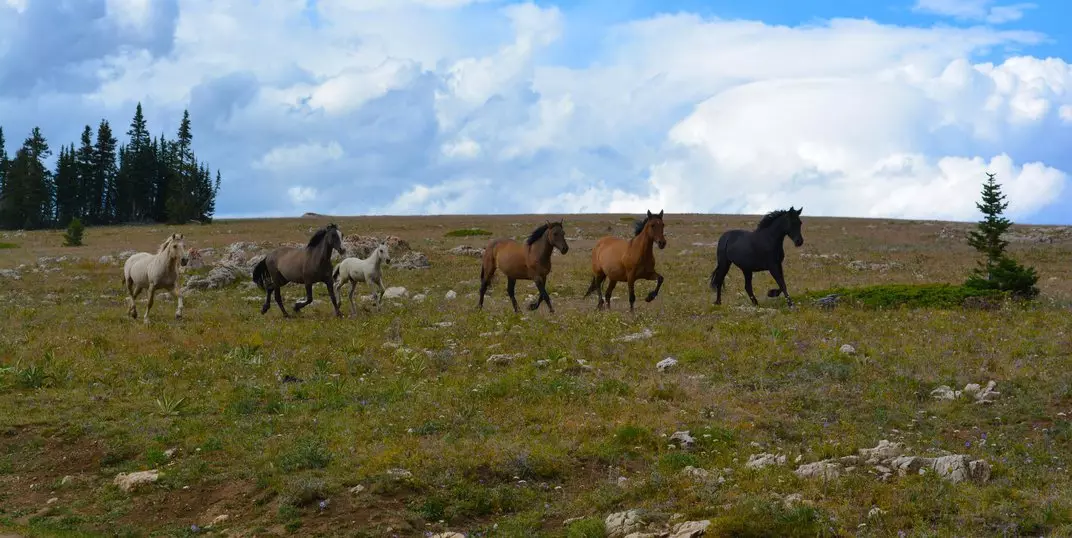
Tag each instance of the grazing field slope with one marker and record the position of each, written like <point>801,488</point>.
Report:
<point>427,416</point>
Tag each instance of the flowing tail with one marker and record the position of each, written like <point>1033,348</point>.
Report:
<point>714,278</point>
<point>592,287</point>
<point>335,274</point>
<point>260,272</point>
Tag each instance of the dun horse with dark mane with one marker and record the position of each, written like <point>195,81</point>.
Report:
<point>759,250</point>
<point>309,265</point>
<point>627,261</point>
<point>531,261</point>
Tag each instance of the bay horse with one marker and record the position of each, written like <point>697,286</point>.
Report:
<point>757,251</point>
<point>627,261</point>
<point>368,270</point>
<point>531,261</point>
<point>309,265</point>
<point>154,272</point>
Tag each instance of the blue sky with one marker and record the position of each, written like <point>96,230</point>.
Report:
<point>871,109</point>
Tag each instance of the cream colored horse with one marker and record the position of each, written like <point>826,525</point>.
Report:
<point>154,272</point>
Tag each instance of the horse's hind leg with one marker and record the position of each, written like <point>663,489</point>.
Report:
<point>541,286</point>
<point>776,272</point>
<point>485,282</point>
<point>748,287</point>
<point>177,294</point>
<point>597,286</point>
<point>298,305</point>
<point>267,300</point>
<point>279,300</point>
<point>510,283</point>
<point>718,278</point>
<point>610,291</point>
<point>377,289</point>
<point>331,294</point>
<point>133,292</point>
<point>658,285</point>
<point>353,308</point>
<point>149,304</point>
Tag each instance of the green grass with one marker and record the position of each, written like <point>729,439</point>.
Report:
<point>910,295</point>
<point>467,232</point>
<point>273,421</point>
<point>4,245</point>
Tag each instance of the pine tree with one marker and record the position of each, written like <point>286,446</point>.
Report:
<point>3,162</point>
<point>29,197</point>
<point>135,170</point>
<point>90,195</point>
<point>67,202</point>
<point>9,195</point>
<point>182,204</point>
<point>997,270</point>
<point>105,171</point>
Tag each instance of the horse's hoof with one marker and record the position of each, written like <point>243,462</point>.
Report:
<point>649,298</point>
<point>533,306</point>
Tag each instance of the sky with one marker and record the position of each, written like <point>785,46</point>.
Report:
<point>888,108</point>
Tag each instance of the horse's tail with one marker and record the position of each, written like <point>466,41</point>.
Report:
<point>714,279</point>
<point>592,287</point>
<point>335,273</point>
<point>260,272</point>
<point>487,262</point>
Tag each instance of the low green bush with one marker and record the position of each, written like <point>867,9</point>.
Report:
<point>912,295</point>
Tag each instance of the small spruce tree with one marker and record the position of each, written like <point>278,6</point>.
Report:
<point>73,237</point>
<point>997,270</point>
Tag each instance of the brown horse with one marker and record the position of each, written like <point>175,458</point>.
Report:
<point>531,261</point>
<point>627,261</point>
<point>308,266</point>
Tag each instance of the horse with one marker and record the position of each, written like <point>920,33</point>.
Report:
<point>627,261</point>
<point>145,271</point>
<point>531,261</point>
<point>756,251</point>
<point>354,270</point>
<point>308,266</point>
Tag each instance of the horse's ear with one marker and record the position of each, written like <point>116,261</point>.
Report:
<point>660,213</point>
<point>799,210</point>
<point>649,213</point>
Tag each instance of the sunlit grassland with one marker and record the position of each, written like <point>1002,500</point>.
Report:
<point>274,420</point>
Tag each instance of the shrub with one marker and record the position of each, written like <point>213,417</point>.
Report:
<point>910,295</point>
<point>467,232</point>
<point>73,237</point>
<point>998,271</point>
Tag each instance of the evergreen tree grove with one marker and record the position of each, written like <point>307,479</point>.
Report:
<point>102,181</point>
<point>997,270</point>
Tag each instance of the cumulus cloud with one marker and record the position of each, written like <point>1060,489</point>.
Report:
<point>472,106</point>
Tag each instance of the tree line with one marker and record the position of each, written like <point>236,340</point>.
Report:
<point>99,182</point>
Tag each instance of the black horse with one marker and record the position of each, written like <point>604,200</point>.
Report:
<point>760,250</point>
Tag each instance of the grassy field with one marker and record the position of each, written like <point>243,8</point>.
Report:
<point>395,422</point>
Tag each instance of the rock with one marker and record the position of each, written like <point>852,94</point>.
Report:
<point>356,490</point>
<point>105,260</point>
<point>466,250</point>
<point>66,480</point>
<point>858,265</point>
<point>690,529</point>
<point>828,301</point>
<point>170,453</point>
<point>362,246</point>
<point>399,474</point>
<point>847,349</point>
<point>222,275</point>
<point>683,439</point>
<point>130,482</point>
<point>792,500</point>
<point>697,474</point>
<point>959,468</point>
<point>543,363</point>
<point>219,520</point>
<point>875,512</point>
<point>643,335</point>
<point>53,500</point>
<point>448,534</point>
<point>944,392</point>
<point>985,395</point>
<point>125,254</point>
<point>10,274</point>
<point>759,461</point>
<point>451,295</point>
<point>884,451</point>
<point>981,395</point>
<point>666,364</point>
<point>412,260</point>
<point>504,358</point>
<point>820,469</point>
<point>419,298</point>
<point>621,524</point>
<point>395,292</point>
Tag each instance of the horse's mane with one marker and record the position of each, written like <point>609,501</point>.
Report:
<point>319,236</point>
<point>163,245</point>
<point>539,231</point>
<point>638,226</point>
<point>769,218</point>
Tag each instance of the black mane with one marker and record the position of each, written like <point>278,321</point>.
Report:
<point>538,233</point>
<point>769,219</point>
<point>319,236</point>
<point>638,226</point>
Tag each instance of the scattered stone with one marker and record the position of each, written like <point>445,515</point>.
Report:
<point>395,292</point>
<point>759,461</point>
<point>362,246</point>
<point>466,250</point>
<point>130,481</point>
<point>170,453</point>
<point>642,335</point>
<point>683,439</point>
<point>413,260</point>
<point>981,395</point>
<point>820,469</point>
<point>420,297</point>
<point>847,349</point>
<point>888,457</point>
<point>52,500</point>
<point>451,295</point>
<point>66,480</point>
<point>222,275</point>
<point>399,474</point>
<point>11,274</point>
<point>690,529</point>
<point>621,524</point>
<point>666,364</point>
<point>543,363</point>
<point>105,260</point>
<point>218,520</point>
<point>944,392</point>
<point>792,500</point>
<point>356,490</point>
<point>829,301</point>
<point>858,265</point>
<point>448,534</point>
<point>875,512</point>
<point>503,359</point>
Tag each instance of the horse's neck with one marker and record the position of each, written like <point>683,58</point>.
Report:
<point>541,250</point>
<point>776,232</point>
<point>642,242</point>
<point>321,252</point>
<point>376,260</point>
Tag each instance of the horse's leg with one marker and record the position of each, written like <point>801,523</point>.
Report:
<point>331,294</point>
<point>378,290</point>
<point>277,291</point>
<point>776,272</point>
<point>610,291</point>
<point>719,278</point>
<point>298,305</point>
<point>748,287</point>
<point>510,283</point>
<point>597,286</point>
<point>134,292</point>
<point>149,305</point>
<point>658,285</point>
<point>485,282</point>
<point>541,285</point>
<point>353,308</point>
<point>267,300</point>
<point>177,294</point>
<point>631,282</point>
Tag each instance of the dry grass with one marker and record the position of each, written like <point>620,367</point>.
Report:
<point>275,420</point>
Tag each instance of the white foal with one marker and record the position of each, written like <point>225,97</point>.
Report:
<point>369,270</point>
<point>153,272</point>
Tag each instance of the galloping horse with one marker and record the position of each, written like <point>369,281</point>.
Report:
<point>531,261</point>
<point>627,261</point>
<point>155,272</point>
<point>308,266</point>
<point>756,251</point>
<point>369,270</point>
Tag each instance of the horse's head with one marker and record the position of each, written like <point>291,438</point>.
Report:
<point>383,253</point>
<point>334,239</point>
<point>794,226</point>
<point>655,228</point>
<point>556,236</point>
<point>176,248</point>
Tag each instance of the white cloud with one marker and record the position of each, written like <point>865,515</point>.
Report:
<point>1066,113</point>
<point>302,195</point>
<point>454,196</point>
<point>982,10</point>
<point>464,148</point>
<point>299,156</point>
<point>130,13</point>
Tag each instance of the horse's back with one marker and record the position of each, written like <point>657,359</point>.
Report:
<point>134,262</point>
